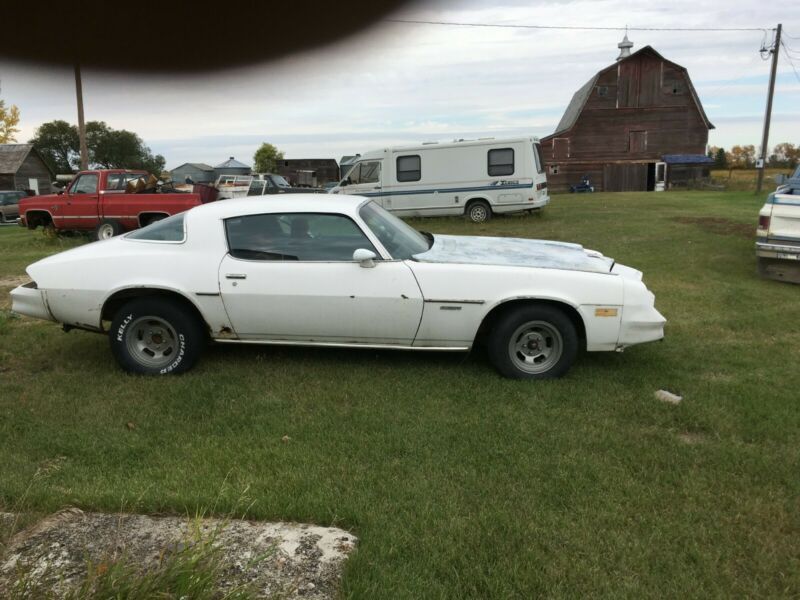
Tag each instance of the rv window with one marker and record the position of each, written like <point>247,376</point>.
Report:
<point>370,172</point>
<point>501,162</point>
<point>409,168</point>
<point>537,157</point>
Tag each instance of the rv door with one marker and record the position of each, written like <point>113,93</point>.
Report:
<point>364,179</point>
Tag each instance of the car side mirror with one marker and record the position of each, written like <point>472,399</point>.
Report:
<point>365,258</point>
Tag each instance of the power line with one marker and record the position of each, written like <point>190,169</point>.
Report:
<point>575,27</point>
<point>789,58</point>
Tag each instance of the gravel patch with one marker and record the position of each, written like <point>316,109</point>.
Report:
<point>286,559</point>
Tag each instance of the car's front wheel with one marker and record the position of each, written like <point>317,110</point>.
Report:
<point>156,336</point>
<point>533,342</point>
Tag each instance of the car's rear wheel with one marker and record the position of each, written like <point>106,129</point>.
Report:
<point>479,211</point>
<point>156,336</point>
<point>533,342</point>
<point>107,228</point>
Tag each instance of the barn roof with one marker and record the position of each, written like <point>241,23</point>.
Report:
<point>232,163</point>
<point>199,166</point>
<point>575,106</point>
<point>579,98</point>
<point>12,156</point>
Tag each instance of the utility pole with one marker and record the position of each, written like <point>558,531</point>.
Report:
<point>81,123</point>
<point>768,117</point>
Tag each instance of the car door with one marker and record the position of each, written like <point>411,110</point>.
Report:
<point>364,179</point>
<point>80,209</point>
<point>292,277</point>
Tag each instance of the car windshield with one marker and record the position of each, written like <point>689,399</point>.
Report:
<point>280,181</point>
<point>166,230</point>
<point>399,239</point>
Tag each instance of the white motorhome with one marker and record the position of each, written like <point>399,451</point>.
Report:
<point>476,178</point>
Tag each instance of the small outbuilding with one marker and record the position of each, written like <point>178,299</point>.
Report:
<point>22,168</point>
<point>196,172</point>
<point>232,167</point>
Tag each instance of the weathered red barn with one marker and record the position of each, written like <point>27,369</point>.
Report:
<point>622,123</point>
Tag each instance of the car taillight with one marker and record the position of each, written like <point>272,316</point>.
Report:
<point>541,186</point>
<point>763,221</point>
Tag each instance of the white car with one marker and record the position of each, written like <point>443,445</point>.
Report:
<point>339,271</point>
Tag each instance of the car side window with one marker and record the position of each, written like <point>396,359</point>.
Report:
<point>295,236</point>
<point>85,184</point>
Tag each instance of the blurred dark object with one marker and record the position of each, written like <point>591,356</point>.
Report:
<point>583,187</point>
<point>178,36</point>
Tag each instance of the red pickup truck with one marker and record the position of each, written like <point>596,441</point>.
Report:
<point>107,202</point>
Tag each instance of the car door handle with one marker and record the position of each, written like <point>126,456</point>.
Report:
<point>235,276</point>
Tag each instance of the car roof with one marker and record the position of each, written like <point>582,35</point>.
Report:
<point>253,205</point>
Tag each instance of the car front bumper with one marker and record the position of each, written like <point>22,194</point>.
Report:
<point>30,301</point>
<point>640,324</point>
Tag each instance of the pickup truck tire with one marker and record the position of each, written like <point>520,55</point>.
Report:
<point>156,336</point>
<point>533,342</point>
<point>107,228</point>
<point>479,211</point>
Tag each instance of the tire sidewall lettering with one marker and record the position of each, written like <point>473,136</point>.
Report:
<point>179,358</point>
<point>121,330</point>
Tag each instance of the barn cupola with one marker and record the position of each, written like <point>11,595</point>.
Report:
<point>624,47</point>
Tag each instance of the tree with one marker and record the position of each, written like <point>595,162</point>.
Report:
<point>720,159</point>
<point>742,157</point>
<point>265,158</point>
<point>57,142</point>
<point>9,119</point>
<point>785,155</point>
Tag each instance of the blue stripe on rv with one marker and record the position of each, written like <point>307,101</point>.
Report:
<point>450,190</point>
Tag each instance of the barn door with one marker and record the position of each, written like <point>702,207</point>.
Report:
<point>625,177</point>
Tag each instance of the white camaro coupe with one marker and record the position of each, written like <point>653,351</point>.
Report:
<point>317,270</point>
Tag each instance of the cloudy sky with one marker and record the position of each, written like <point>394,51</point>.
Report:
<point>399,83</point>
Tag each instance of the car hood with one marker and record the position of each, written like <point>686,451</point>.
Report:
<point>514,252</point>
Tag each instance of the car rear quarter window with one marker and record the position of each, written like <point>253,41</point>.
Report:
<point>295,237</point>
<point>171,229</point>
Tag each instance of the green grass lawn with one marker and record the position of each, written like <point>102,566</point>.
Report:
<point>459,483</point>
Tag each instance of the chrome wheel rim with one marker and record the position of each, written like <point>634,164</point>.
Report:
<point>152,342</point>
<point>106,231</point>
<point>478,213</point>
<point>535,347</point>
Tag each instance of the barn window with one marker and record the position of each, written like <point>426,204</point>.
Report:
<point>501,161</point>
<point>602,90</point>
<point>409,168</point>
<point>553,169</point>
